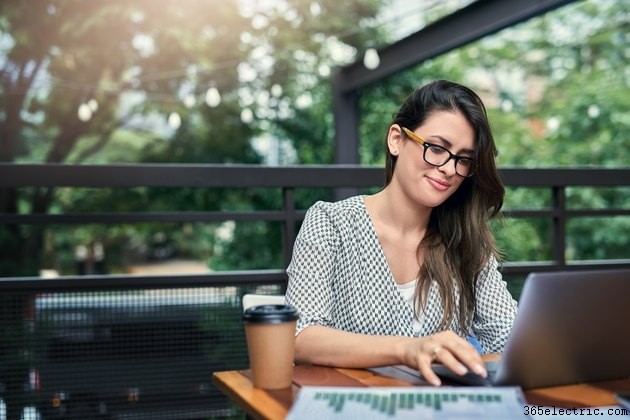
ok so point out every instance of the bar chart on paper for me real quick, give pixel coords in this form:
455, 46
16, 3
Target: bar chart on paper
408, 403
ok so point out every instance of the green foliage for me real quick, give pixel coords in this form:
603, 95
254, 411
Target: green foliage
598, 238
260, 251
135, 63
535, 233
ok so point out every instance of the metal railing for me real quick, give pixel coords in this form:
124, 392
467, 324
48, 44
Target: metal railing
288, 179
144, 346
122, 348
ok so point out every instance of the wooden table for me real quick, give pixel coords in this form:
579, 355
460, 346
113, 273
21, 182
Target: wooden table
261, 404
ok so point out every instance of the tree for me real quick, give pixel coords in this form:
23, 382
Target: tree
88, 54
77, 73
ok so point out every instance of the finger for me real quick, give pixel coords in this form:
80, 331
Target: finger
425, 369
466, 354
447, 359
468, 357
424, 360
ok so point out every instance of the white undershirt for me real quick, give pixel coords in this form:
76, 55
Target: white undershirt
407, 291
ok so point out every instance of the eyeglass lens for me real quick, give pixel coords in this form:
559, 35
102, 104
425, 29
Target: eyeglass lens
439, 156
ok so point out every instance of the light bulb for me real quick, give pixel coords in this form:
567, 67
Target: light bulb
174, 120
93, 105
276, 90
189, 100
213, 97
247, 115
84, 113
371, 60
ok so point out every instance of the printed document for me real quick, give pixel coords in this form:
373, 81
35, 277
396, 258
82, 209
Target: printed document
347, 403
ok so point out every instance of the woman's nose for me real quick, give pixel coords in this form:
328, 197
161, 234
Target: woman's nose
449, 167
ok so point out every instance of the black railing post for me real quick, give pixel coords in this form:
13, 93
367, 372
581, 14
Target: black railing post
346, 110
288, 198
559, 226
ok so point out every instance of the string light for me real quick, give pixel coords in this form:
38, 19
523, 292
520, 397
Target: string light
93, 105
228, 64
174, 120
247, 115
371, 60
189, 100
276, 90
213, 97
84, 112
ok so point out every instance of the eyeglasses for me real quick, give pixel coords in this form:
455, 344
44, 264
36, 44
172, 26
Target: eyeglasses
438, 156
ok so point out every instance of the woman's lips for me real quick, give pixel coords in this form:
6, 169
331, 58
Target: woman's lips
439, 184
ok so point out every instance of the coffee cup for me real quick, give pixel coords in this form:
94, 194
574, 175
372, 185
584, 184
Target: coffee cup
270, 332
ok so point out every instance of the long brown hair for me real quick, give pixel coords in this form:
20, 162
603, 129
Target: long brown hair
458, 242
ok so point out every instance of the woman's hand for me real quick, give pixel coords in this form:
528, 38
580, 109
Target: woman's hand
447, 348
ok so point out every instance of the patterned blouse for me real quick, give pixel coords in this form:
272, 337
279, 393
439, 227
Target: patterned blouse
339, 278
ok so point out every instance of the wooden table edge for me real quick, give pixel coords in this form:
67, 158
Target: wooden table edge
249, 397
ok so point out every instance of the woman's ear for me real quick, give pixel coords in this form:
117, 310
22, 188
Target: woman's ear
395, 139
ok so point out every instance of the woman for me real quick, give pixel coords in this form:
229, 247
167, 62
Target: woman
404, 275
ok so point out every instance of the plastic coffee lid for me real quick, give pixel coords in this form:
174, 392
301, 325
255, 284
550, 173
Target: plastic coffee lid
271, 314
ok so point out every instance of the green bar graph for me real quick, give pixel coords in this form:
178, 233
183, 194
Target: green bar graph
389, 403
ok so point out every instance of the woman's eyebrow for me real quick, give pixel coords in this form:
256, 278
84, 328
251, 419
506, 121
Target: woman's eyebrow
449, 145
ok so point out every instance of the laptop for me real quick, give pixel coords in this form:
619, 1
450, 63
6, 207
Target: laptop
571, 327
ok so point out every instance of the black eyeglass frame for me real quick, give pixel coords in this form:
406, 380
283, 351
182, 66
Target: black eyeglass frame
413, 136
